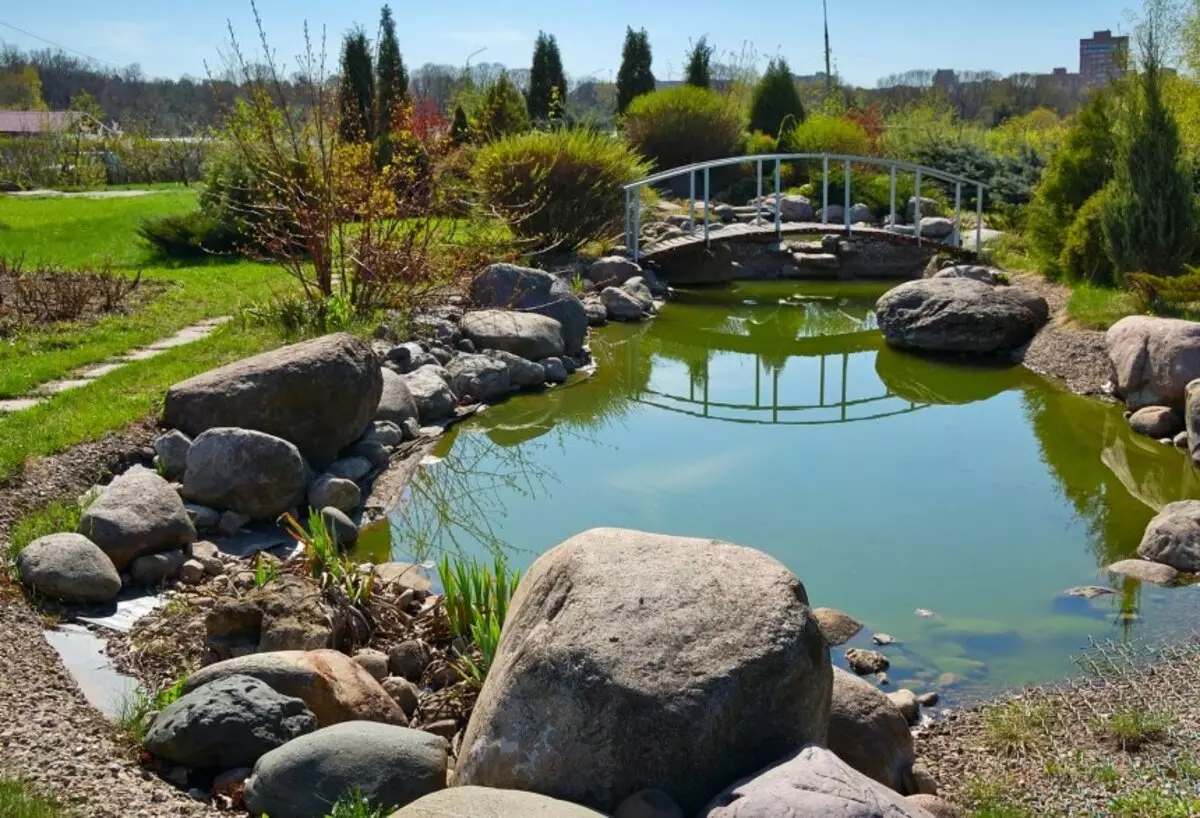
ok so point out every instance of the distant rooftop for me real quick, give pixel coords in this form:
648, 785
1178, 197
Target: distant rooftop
34, 122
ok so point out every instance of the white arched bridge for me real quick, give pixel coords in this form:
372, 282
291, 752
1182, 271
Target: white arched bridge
767, 224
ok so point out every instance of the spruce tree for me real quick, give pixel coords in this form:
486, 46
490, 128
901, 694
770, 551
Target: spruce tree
775, 100
391, 79
699, 71
460, 128
356, 89
502, 110
547, 82
1150, 217
635, 77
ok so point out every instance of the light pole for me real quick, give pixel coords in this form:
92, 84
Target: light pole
828, 73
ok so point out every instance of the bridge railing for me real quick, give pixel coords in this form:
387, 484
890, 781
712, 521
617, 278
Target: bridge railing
633, 192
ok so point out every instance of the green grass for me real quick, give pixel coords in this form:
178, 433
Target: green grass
1155, 803
476, 599
61, 515
120, 398
993, 799
1016, 727
356, 805
1099, 307
1132, 727
18, 799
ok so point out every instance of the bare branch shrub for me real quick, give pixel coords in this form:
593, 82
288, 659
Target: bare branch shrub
46, 294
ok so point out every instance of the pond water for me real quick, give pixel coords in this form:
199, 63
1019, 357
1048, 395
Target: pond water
772, 415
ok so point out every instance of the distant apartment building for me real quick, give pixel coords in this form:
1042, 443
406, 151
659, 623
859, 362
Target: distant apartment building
1102, 58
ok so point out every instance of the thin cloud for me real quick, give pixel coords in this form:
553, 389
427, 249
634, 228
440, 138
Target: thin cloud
122, 37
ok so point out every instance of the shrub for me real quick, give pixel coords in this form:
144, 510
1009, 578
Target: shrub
188, 235
1083, 256
502, 110
558, 189
776, 101
683, 125
1010, 179
821, 133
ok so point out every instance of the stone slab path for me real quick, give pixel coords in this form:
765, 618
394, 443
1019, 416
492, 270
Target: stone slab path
91, 372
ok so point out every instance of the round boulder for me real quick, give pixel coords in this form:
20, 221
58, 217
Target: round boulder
612, 271
69, 567
228, 723
337, 492
523, 373
479, 378
244, 471
318, 394
509, 287
1154, 359
1173, 537
621, 305
391, 766
813, 783
138, 513
868, 732
580, 703
1156, 422
959, 315
430, 388
486, 802
525, 334
396, 403
837, 627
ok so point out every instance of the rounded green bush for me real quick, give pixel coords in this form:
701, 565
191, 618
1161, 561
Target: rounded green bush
684, 125
1084, 256
827, 134
558, 189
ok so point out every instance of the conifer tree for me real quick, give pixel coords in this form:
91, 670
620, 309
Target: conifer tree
460, 128
502, 110
634, 77
356, 90
391, 80
699, 70
547, 82
775, 100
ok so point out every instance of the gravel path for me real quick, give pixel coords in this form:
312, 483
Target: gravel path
1063, 351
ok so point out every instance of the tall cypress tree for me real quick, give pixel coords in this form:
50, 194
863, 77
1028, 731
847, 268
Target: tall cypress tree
1150, 218
635, 77
699, 70
547, 82
775, 99
391, 79
356, 89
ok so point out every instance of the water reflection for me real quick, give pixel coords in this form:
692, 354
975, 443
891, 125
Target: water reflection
887, 482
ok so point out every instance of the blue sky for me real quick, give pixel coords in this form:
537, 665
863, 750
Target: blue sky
870, 38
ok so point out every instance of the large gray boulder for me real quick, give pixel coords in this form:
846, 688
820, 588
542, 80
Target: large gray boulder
936, 227
396, 403
1191, 417
640, 290
582, 703
479, 378
1156, 422
959, 315
812, 783
137, 513
522, 373
861, 214
245, 471
868, 732
526, 334
318, 394
1173, 537
170, 453
229, 723
334, 686
612, 271
929, 207
430, 388
507, 286
621, 305
69, 567
391, 766
794, 208
986, 275
1154, 359
486, 802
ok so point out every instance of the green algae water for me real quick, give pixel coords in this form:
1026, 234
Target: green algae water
947, 505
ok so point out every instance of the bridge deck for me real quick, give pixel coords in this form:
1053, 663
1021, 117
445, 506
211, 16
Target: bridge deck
766, 231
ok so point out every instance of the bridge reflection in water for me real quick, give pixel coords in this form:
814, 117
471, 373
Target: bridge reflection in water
806, 362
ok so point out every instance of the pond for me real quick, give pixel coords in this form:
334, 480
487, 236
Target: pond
772, 415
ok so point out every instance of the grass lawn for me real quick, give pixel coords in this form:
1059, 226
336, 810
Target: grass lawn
86, 233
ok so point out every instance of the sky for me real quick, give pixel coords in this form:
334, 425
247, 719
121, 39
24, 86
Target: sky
870, 38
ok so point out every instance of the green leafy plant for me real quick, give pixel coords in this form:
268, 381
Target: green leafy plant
558, 190
683, 125
171, 693
821, 133
324, 560
356, 805
1083, 256
265, 570
476, 599
133, 709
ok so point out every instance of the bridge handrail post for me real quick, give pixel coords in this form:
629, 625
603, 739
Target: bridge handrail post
958, 242
846, 208
892, 222
778, 202
628, 240
707, 206
825, 189
979, 219
919, 213
758, 199
692, 199
637, 223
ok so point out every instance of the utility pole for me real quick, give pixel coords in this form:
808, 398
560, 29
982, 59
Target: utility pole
828, 72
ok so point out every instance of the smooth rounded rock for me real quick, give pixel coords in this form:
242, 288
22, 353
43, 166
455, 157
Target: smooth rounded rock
69, 567
868, 731
1156, 422
337, 492
153, 570
245, 471
959, 315
524, 334
170, 452
1145, 571
430, 388
374, 662
523, 373
479, 378
1154, 359
837, 627
1173, 537
391, 766
396, 402
137, 513
510, 287
487, 802
580, 705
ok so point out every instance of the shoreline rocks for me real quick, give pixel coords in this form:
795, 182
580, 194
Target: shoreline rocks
1173, 537
245, 471
69, 567
1154, 359
138, 513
